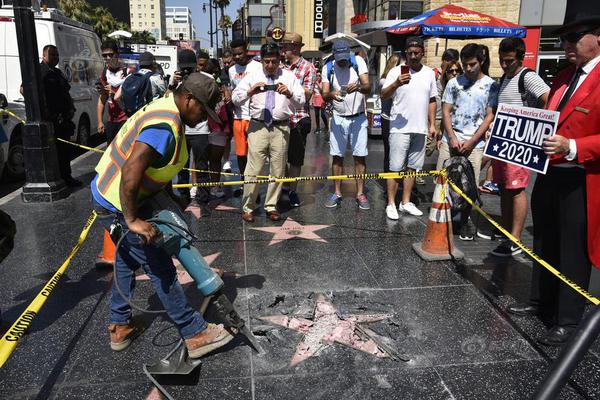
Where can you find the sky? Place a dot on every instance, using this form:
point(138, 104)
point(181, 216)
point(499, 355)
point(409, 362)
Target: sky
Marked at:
point(201, 20)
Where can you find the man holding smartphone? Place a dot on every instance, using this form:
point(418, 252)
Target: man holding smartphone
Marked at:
point(346, 82)
point(412, 117)
point(273, 95)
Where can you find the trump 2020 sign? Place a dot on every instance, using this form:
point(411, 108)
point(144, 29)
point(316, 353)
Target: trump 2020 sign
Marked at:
point(518, 134)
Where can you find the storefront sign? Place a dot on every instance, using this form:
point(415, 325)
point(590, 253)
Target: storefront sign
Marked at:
point(518, 135)
point(532, 45)
point(319, 19)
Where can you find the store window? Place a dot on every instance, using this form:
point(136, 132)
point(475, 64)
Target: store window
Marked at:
point(404, 9)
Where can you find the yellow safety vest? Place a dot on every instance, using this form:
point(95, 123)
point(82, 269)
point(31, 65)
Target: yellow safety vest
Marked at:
point(161, 112)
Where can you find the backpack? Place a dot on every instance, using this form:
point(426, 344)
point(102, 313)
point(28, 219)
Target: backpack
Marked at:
point(460, 171)
point(521, 84)
point(330, 65)
point(136, 92)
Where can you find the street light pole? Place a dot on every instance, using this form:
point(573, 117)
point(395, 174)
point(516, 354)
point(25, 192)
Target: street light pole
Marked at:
point(42, 177)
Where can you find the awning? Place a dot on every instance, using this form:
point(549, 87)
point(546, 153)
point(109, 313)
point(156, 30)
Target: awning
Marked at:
point(380, 38)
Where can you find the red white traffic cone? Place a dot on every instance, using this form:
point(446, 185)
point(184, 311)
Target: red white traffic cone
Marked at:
point(438, 243)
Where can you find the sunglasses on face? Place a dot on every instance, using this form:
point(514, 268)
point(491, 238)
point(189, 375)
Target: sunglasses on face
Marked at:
point(574, 37)
point(453, 71)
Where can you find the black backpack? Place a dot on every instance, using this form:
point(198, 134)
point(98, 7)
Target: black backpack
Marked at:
point(460, 171)
point(136, 92)
point(521, 84)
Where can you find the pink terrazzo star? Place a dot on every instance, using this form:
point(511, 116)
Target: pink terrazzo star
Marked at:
point(327, 328)
point(291, 229)
point(217, 205)
point(182, 275)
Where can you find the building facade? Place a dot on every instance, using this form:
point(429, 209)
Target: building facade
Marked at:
point(179, 22)
point(261, 16)
point(148, 15)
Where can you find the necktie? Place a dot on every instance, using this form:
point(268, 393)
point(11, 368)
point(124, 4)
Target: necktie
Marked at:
point(570, 90)
point(269, 104)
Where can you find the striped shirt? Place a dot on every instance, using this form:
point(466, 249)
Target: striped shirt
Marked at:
point(535, 87)
point(306, 73)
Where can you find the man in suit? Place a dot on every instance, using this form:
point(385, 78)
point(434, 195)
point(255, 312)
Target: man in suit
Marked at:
point(565, 208)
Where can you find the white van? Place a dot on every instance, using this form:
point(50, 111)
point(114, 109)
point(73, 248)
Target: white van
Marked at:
point(80, 61)
point(165, 56)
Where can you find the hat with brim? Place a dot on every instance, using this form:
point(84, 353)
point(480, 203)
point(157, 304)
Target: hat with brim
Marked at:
point(204, 88)
point(292, 38)
point(580, 13)
point(186, 58)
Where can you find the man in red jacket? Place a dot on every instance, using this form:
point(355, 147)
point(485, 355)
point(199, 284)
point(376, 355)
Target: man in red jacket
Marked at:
point(566, 202)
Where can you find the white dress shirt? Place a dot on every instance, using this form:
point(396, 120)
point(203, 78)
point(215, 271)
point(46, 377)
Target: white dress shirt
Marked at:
point(236, 74)
point(284, 107)
point(587, 68)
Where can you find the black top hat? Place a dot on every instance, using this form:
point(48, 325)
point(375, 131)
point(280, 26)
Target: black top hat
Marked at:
point(580, 12)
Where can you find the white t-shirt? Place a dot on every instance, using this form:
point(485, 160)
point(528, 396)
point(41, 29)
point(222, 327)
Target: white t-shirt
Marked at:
point(410, 108)
point(354, 103)
point(236, 74)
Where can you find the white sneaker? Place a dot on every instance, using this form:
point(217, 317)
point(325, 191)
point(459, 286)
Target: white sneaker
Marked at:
point(410, 208)
point(391, 212)
point(217, 192)
point(227, 166)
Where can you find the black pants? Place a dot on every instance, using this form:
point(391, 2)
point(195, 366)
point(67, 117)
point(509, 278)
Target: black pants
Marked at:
point(111, 129)
point(320, 114)
point(297, 146)
point(198, 145)
point(385, 135)
point(64, 151)
point(558, 206)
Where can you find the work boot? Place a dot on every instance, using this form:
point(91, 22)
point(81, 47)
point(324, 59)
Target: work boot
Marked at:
point(120, 336)
point(213, 337)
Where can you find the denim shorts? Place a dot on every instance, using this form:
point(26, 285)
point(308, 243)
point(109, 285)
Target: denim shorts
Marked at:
point(344, 129)
point(407, 150)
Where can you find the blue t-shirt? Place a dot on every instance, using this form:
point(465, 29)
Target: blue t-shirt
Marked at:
point(161, 140)
point(470, 101)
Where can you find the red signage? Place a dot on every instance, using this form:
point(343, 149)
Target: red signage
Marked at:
point(532, 46)
point(358, 19)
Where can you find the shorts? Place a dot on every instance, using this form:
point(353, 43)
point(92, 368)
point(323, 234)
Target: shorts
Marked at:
point(218, 139)
point(297, 145)
point(348, 128)
point(509, 176)
point(240, 135)
point(407, 150)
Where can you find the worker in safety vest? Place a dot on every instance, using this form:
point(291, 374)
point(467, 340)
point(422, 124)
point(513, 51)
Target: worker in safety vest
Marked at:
point(134, 172)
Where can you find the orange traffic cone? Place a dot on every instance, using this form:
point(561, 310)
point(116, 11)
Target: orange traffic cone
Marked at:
point(438, 243)
point(107, 257)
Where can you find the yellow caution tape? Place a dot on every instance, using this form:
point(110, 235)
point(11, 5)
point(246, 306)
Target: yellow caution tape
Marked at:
point(377, 175)
point(12, 114)
point(188, 169)
point(527, 250)
point(9, 341)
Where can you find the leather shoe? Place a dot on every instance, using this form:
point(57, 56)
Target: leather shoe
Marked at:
point(523, 309)
point(274, 215)
point(248, 217)
point(556, 336)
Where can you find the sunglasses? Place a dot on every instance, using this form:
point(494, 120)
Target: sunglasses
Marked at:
point(453, 71)
point(574, 37)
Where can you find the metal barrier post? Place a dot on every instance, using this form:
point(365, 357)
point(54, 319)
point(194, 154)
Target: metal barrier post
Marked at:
point(570, 357)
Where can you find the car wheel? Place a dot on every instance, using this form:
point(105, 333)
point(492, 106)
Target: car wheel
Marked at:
point(15, 161)
point(83, 130)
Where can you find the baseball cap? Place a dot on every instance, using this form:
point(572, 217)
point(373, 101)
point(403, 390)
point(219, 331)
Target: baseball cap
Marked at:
point(204, 88)
point(146, 59)
point(415, 41)
point(186, 58)
point(341, 50)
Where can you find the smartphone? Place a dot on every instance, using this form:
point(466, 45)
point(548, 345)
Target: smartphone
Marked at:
point(404, 69)
point(270, 87)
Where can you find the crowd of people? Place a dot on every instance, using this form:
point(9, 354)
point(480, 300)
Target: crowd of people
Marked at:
point(155, 128)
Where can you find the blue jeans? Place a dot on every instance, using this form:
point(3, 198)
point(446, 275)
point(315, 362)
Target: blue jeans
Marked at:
point(159, 267)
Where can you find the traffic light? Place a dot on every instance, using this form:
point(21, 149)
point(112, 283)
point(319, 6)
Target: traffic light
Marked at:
point(180, 36)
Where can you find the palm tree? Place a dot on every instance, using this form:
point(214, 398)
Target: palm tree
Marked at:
point(143, 37)
point(79, 10)
point(104, 22)
point(225, 23)
point(222, 4)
